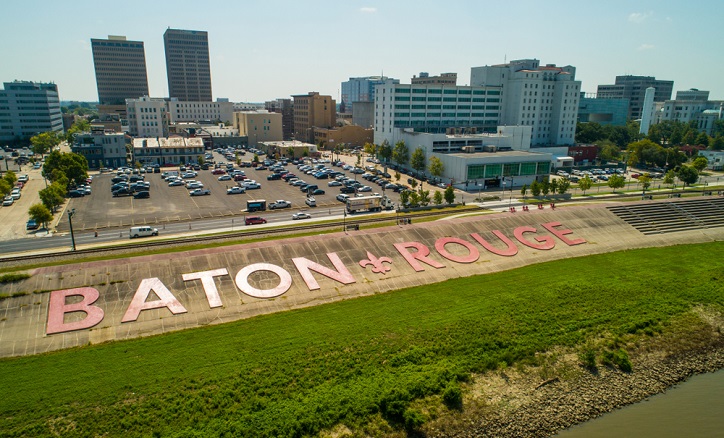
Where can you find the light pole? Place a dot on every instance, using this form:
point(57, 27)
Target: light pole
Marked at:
point(510, 202)
point(70, 221)
point(503, 197)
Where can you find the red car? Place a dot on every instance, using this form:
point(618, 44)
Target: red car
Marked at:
point(253, 220)
point(218, 172)
point(239, 177)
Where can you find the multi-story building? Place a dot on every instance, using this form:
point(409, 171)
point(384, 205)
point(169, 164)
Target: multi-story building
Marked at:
point(120, 68)
point(542, 97)
point(167, 151)
point(348, 136)
point(147, 117)
point(363, 114)
point(634, 88)
point(101, 148)
point(187, 64)
point(259, 126)
point(27, 109)
point(311, 111)
point(185, 111)
point(286, 109)
point(612, 112)
point(443, 79)
point(361, 90)
point(691, 105)
point(434, 109)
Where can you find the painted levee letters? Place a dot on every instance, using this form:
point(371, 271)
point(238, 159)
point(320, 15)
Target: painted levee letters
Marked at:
point(463, 250)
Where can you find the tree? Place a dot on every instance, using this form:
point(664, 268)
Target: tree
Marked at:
point(80, 125)
point(524, 190)
point(437, 197)
point(41, 214)
point(200, 159)
point(669, 177)
point(449, 195)
point(255, 158)
point(417, 160)
point(370, 149)
point(305, 152)
point(585, 183)
point(616, 182)
point(384, 151)
point(414, 199)
point(545, 187)
point(646, 152)
point(413, 183)
point(700, 163)
point(290, 152)
point(589, 132)
point(397, 176)
point(688, 175)
point(11, 178)
point(702, 139)
point(436, 167)
point(717, 144)
point(44, 142)
point(72, 166)
point(424, 197)
point(401, 154)
point(535, 188)
point(563, 185)
point(608, 151)
point(645, 181)
point(553, 185)
point(53, 195)
point(404, 197)
point(5, 187)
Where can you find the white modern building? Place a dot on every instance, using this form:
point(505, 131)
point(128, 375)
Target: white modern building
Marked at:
point(101, 148)
point(147, 117)
point(487, 159)
point(542, 97)
point(434, 108)
point(184, 111)
point(167, 151)
point(691, 105)
point(29, 108)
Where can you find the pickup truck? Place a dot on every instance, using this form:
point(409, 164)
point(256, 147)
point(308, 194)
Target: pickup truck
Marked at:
point(200, 192)
point(280, 204)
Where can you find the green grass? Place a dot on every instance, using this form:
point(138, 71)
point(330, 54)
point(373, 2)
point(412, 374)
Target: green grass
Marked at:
point(298, 372)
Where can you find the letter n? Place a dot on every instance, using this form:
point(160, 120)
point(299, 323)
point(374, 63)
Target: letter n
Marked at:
point(58, 308)
point(306, 266)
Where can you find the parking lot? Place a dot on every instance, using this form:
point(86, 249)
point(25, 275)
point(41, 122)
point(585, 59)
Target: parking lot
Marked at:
point(166, 204)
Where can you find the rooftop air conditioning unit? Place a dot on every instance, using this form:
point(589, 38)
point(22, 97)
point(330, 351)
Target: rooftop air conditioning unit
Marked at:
point(490, 148)
point(468, 149)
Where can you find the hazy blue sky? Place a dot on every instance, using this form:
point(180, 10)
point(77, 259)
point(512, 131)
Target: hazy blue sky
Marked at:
point(264, 49)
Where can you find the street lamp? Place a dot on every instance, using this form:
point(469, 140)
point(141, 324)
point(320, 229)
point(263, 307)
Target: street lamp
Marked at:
point(510, 202)
point(70, 221)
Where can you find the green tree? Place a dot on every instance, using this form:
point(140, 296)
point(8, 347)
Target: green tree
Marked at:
point(688, 175)
point(645, 181)
point(545, 187)
point(563, 185)
point(669, 177)
point(201, 160)
point(616, 182)
point(305, 153)
point(690, 137)
point(11, 178)
point(73, 166)
point(53, 195)
point(437, 197)
point(255, 158)
point(676, 137)
point(535, 188)
point(401, 154)
point(384, 151)
point(417, 160)
point(413, 183)
point(449, 194)
point(702, 139)
point(585, 183)
point(646, 152)
point(553, 185)
point(608, 151)
point(41, 214)
point(80, 125)
point(404, 197)
point(397, 176)
point(700, 163)
point(370, 149)
point(424, 196)
point(436, 167)
point(524, 190)
point(717, 144)
point(414, 199)
point(5, 187)
point(290, 152)
point(589, 132)
point(44, 142)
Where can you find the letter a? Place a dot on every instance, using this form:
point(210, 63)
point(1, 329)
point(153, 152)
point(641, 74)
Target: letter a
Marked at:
point(139, 303)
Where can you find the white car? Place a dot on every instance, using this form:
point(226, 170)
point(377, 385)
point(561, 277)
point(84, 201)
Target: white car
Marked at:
point(311, 202)
point(365, 189)
point(194, 185)
point(15, 194)
point(301, 215)
point(235, 190)
point(280, 204)
point(8, 201)
point(334, 184)
point(251, 185)
point(176, 182)
point(224, 178)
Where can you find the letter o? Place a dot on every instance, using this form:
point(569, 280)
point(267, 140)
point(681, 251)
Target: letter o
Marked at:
point(242, 280)
point(473, 253)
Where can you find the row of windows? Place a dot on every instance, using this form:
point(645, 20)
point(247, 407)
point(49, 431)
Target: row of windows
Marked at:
point(445, 91)
point(438, 115)
point(480, 171)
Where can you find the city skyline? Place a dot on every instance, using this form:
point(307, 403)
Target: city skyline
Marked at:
point(258, 55)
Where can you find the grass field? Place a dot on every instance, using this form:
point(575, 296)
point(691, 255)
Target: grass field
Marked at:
point(299, 372)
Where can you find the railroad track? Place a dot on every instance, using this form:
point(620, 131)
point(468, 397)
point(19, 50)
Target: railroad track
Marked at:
point(186, 241)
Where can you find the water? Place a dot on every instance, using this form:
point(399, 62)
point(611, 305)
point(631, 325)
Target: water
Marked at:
point(694, 408)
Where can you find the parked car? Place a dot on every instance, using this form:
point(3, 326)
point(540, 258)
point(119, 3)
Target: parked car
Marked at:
point(8, 201)
point(301, 215)
point(235, 190)
point(122, 192)
point(199, 192)
point(175, 183)
point(32, 224)
point(334, 184)
point(280, 204)
point(224, 178)
point(316, 192)
point(80, 193)
point(250, 185)
point(253, 220)
point(194, 185)
point(141, 195)
point(311, 202)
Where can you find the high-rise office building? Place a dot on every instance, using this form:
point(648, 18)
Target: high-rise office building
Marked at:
point(187, 64)
point(27, 109)
point(634, 88)
point(313, 111)
point(361, 90)
point(120, 67)
point(285, 107)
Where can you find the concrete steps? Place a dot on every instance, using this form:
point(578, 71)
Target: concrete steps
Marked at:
point(672, 216)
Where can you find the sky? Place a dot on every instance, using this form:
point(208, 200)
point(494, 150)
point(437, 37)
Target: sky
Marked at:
point(267, 49)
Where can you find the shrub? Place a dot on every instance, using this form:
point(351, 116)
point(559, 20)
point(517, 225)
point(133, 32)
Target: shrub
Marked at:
point(619, 359)
point(588, 358)
point(13, 277)
point(452, 396)
point(413, 419)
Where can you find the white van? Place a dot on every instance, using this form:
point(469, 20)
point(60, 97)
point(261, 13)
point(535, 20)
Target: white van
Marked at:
point(142, 232)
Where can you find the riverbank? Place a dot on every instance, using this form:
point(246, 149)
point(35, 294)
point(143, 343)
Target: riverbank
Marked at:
point(541, 401)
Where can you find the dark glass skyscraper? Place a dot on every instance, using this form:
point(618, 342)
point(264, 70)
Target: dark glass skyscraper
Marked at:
point(187, 64)
point(120, 67)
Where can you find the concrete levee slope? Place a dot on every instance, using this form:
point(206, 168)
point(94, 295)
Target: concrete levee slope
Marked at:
point(77, 304)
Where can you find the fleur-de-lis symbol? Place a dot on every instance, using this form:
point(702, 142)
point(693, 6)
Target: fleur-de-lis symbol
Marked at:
point(377, 263)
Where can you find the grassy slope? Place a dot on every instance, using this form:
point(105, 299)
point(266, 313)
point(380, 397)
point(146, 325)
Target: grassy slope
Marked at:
point(294, 373)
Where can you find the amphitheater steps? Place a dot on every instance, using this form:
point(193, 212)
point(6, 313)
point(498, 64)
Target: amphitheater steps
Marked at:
point(672, 216)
